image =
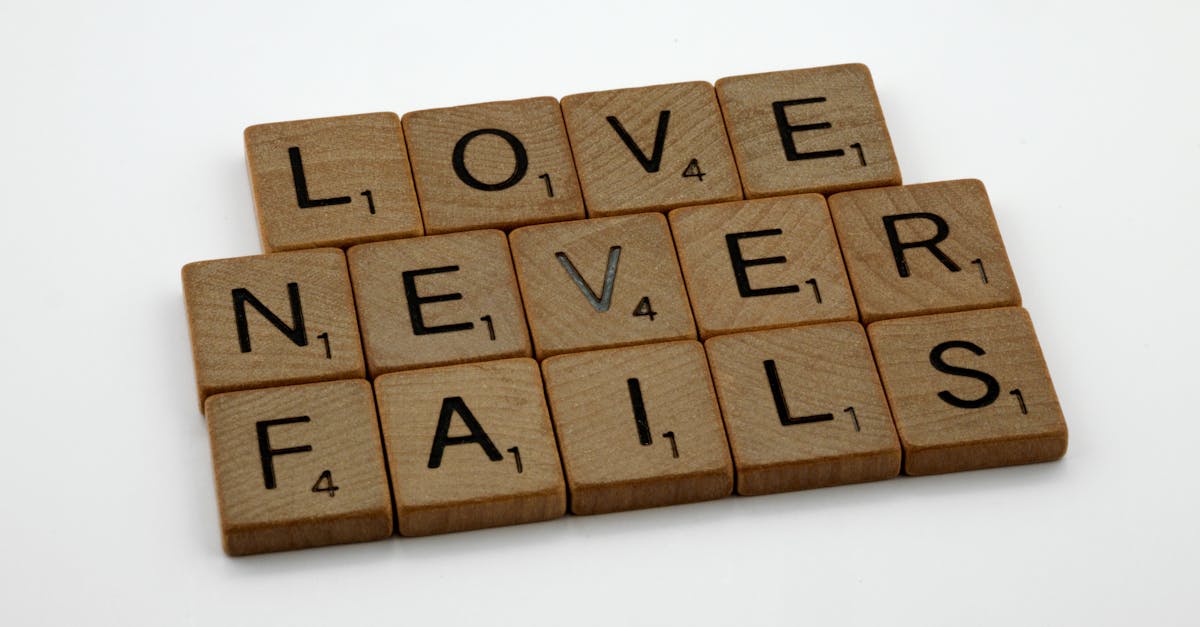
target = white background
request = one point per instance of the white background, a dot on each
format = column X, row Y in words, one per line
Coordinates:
column 121, row 160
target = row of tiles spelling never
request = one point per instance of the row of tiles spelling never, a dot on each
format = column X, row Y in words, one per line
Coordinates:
column 353, row 179
column 291, row 317
column 506, row 442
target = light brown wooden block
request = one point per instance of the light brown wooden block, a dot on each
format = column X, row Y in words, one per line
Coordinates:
column 298, row 466
column 969, row 390
column 331, row 181
column 650, row 148
column 271, row 320
column 923, row 249
column 442, row 299
column 638, row 427
column 763, row 263
column 813, row 130
column 492, row 165
column 602, row 282
column 470, row 446
column 803, row 408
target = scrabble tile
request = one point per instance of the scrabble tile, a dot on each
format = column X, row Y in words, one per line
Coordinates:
column 969, row 390
column 298, row 466
column 650, row 148
column 763, row 263
column 470, row 446
column 492, row 165
column 638, row 427
column 271, row 320
column 436, row 300
column 814, row 130
column 331, row 181
column 803, row 408
column 923, row 249
column 602, row 282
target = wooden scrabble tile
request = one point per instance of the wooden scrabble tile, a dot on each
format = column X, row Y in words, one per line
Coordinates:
column 638, row 427
column 650, row 148
column 492, row 165
column 813, row 130
column 803, row 408
column 969, row 390
column 331, row 181
column 436, row 300
column 470, row 446
column 271, row 320
column 298, row 466
column 763, row 263
column 602, row 282
column 923, row 249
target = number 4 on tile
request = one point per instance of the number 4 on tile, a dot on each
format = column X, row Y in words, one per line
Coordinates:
column 325, row 484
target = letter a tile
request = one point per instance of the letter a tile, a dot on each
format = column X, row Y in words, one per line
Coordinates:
column 298, row 466
column 270, row 320
column 803, row 408
column 470, row 446
column 923, row 249
column 638, row 427
column 331, row 181
column 813, row 130
column 493, row 165
column 969, row 390
column 603, row 282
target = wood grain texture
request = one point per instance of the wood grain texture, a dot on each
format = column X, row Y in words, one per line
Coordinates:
column 541, row 187
column 298, row 467
column 760, row 264
column 561, row 316
column 974, row 273
column 230, row 356
column 464, row 293
column 830, row 425
column 830, row 115
column 652, row 175
column 678, row 454
column 519, row 481
column 341, row 159
column 969, row 390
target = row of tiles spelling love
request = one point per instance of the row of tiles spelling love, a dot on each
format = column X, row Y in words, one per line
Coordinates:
column 507, row 442
column 295, row 317
column 353, row 179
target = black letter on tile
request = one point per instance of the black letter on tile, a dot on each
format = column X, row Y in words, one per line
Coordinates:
column 442, row 439
column 267, row 454
column 660, row 138
column 301, row 184
column 639, row 412
column 898, row 247
column 295, row 333
column 460, row 165
column 415, row 301
column 993, row 386
column 740, row 264
column 786, row 130
column 781, row 406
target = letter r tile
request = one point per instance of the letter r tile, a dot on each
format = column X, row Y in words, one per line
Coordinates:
column 813, row 130
column 599, row 283
column 923, row 249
